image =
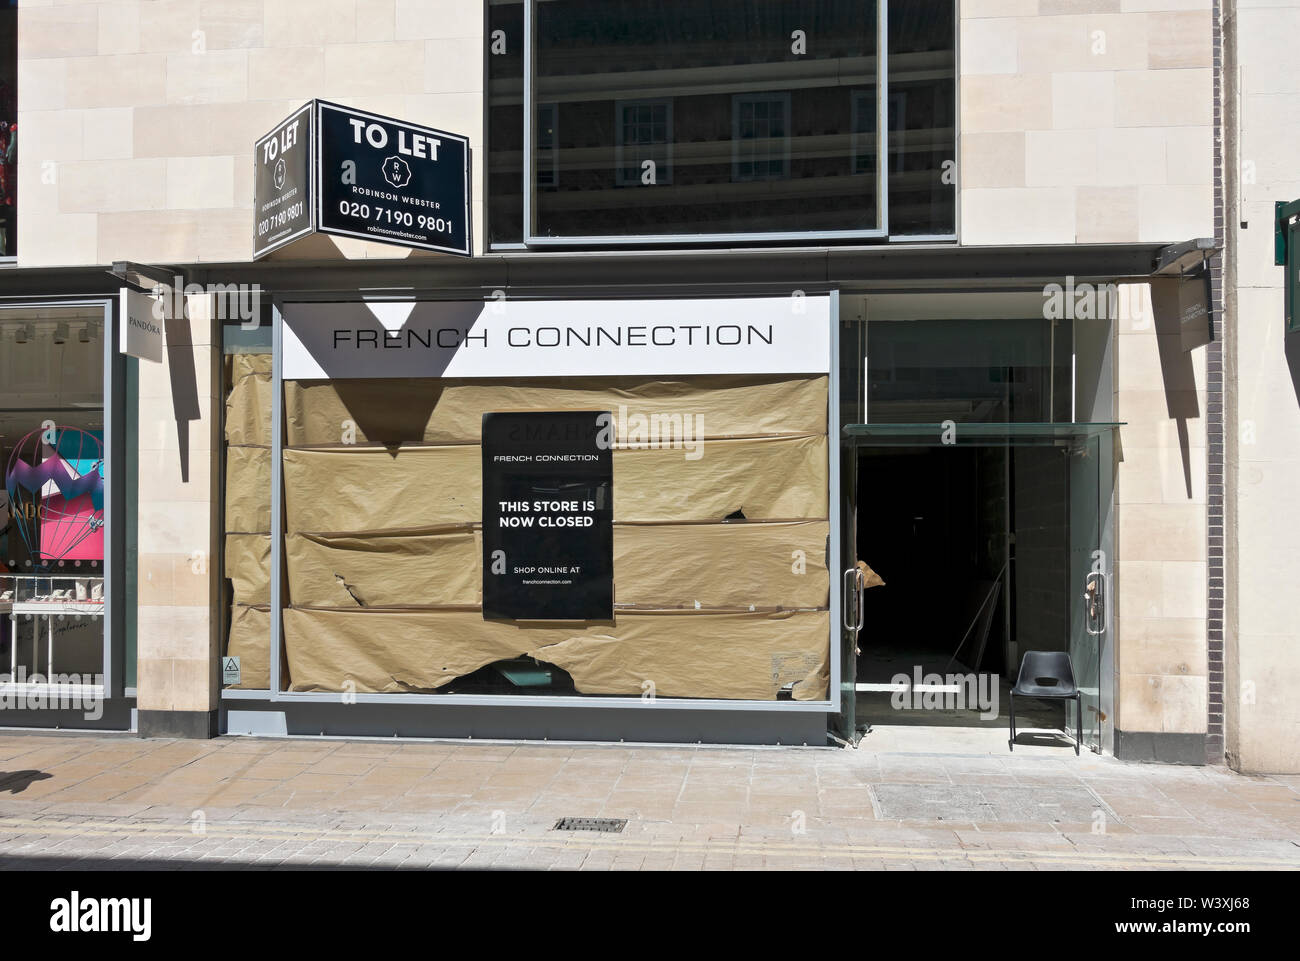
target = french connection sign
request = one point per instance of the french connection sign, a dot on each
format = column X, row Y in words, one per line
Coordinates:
column 574, row 338
column 336, row 170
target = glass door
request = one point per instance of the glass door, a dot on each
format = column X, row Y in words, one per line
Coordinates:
column 1089, row 584
column 1066, row 486
column 848, row 620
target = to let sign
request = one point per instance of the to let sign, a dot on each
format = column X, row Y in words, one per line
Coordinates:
column 282, row 195
column 548, row 535
column 335, row 170
column 382, row 179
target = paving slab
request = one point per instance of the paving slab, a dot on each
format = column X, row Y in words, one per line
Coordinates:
column 913, row 799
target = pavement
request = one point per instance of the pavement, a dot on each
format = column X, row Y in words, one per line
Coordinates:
column 906, row 798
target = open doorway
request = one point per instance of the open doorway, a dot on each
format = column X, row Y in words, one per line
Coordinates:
column 979, row 475
column 973, row 544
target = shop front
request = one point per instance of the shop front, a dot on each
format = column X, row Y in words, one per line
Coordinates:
column 564, row 518
column 393, row 569
column 64, row 660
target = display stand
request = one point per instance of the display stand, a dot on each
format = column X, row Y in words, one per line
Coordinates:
column 29, row 601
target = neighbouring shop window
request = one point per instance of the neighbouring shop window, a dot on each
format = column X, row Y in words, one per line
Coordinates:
column 701, row 121
column 52, row 511
column 8, row 129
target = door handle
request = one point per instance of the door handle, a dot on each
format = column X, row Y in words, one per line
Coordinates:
column 854, row 589
column 1094, row 600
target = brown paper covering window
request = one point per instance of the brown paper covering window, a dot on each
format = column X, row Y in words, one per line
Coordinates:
column 712, row 655
column 370, row 529
column 401, row 410
column 374, row 488
column 660, row 565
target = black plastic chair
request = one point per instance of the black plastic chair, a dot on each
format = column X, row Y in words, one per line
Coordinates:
column 1048, row 675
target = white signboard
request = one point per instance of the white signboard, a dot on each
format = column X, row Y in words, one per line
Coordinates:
column 575, row 338
column 141, row 330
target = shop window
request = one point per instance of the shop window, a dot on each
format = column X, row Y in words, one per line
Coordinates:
column 246, row 376
column 52, row 510
column 725, row 97
column 383, row 540
column 8, row 130
column 718, row 520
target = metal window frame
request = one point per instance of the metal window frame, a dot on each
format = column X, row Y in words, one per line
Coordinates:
column 114, row 632
column 827, row 706
column 532, row 240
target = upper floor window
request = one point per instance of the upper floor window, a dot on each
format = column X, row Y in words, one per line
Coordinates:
column 708, row 121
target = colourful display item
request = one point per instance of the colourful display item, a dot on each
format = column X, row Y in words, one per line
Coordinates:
column 57, row 494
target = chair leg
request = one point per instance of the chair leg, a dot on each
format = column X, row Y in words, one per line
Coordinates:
column 1078, row 724
column 1011, row 744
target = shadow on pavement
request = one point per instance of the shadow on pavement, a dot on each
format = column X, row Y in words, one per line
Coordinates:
column 15, row 782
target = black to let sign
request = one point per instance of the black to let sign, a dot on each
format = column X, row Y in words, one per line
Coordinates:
column 394, row 182
column 336, row 170
column 282, row 194
column 548, row 537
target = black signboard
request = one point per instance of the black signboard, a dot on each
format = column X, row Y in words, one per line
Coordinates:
column 282, row 197
column 394, row 182
column 548, row 537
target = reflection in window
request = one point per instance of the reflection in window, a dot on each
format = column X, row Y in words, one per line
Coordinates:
column 989, row 371
column 548, row 165
column 683, row 118
column 922, row 118
column 8, row 130
column 760, row 136
column 760, row 119
column 644, row 153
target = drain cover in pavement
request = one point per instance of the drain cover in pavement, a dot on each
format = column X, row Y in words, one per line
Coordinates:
column 948, row 802
column 611, row 825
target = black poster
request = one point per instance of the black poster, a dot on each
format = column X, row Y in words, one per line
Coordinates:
column 398, row 183
column 282, row 205
column 548, row 536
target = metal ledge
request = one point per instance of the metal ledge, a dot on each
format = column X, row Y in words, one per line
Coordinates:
column 757, row 269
